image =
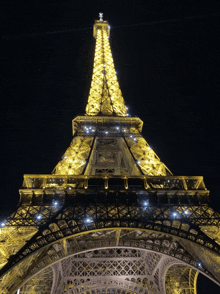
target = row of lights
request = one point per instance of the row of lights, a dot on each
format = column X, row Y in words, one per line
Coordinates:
column 88, row 129
column 88, row 220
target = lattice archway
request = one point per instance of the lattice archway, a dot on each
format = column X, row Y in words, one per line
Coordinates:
column 112, row 271
column 167, row 248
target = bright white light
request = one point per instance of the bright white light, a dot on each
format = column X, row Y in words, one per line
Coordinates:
column 39, row 217
column 3, row 224
column 127, row 107
column 127, row 114
column 106, row 132
column 18, row 292
column 174, row 214
column 186, row 212
column 116, row 72
column 88, row 220
column 93, row 130
column 145, row 203
column 82, row 161
column 135, row 139
column 138, row 162
column 199, row 264
column 117, row 128
column 124, row 130
column 55, row 203
column 131, row 136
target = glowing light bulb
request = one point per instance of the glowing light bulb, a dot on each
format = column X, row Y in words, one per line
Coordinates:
column 88, row 220
column 39, row 216
column 2, row 224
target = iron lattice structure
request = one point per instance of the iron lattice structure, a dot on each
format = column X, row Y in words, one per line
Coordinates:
column 111, row 218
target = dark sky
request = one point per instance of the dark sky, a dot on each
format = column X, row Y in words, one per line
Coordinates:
column 166, row 55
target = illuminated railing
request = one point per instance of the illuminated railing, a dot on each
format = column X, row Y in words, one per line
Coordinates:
column 86, row 182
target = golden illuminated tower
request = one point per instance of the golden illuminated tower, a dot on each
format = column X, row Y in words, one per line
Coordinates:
column 111, row 218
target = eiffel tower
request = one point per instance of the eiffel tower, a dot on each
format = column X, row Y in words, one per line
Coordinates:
column 111, row 218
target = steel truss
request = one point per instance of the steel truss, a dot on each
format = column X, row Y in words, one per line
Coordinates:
column 111, row 218
column 147, row 266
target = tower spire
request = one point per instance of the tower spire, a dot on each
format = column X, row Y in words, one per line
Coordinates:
column 105, row 97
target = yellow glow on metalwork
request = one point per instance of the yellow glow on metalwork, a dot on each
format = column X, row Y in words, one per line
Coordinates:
column 74, row 159
column 147, row 159
column 106, row 137
column 105, row 96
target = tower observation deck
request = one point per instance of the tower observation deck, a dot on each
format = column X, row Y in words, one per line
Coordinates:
column 111, row 217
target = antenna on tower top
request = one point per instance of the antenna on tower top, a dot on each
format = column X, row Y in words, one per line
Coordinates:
column 100, row 16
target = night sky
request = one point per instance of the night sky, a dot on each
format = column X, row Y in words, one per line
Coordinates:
column 166, row 55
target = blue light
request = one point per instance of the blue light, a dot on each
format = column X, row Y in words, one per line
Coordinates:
column 186, row 212
column 106, row 132
column 199, row 264
column 55, row 203
column 3, row 224
column 117, row 128
column 88, row 220
column 39, row 217
column 174, row 214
